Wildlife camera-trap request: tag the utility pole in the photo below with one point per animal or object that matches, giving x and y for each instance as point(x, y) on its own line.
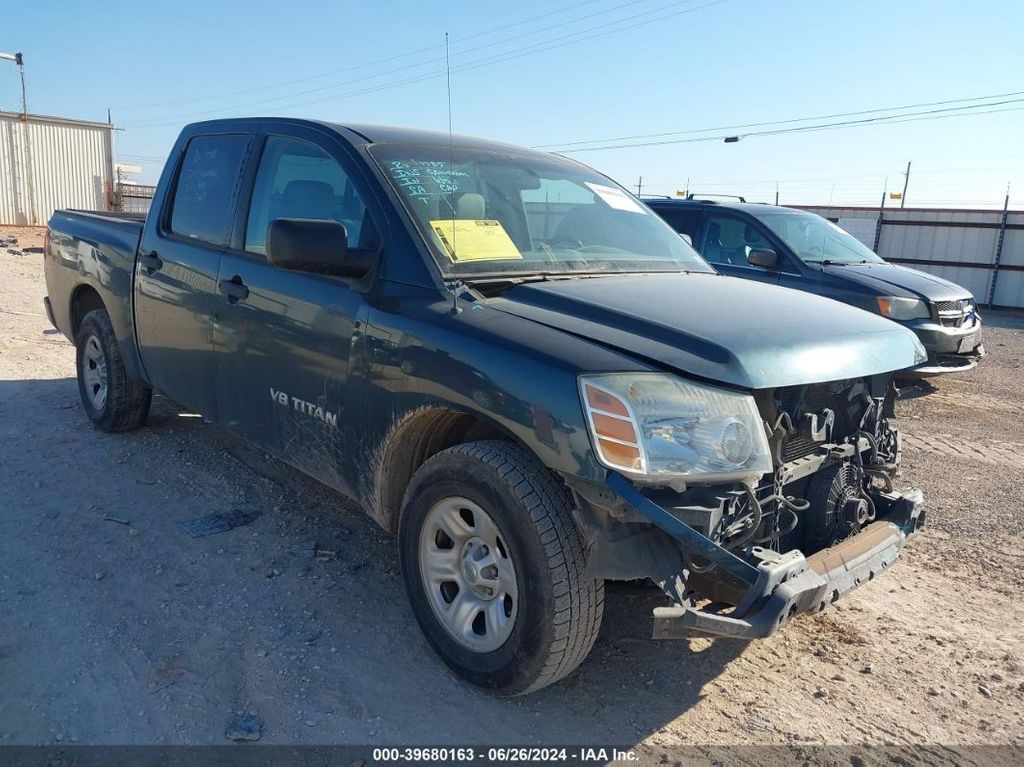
point(906, 181)
point(639, 185)
point(878, 222)
point(19, 59)
point(776, 192)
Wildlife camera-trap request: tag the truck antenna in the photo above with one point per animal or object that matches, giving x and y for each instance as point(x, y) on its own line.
point(451, 170)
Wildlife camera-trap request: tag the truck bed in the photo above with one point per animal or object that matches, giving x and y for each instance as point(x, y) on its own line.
point(90, 263)
point(111, 216)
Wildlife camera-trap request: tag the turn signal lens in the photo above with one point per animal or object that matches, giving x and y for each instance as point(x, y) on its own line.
point(611, 423)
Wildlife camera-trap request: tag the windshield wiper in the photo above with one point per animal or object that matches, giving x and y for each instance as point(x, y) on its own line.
point(830, 262)
point(518, 279)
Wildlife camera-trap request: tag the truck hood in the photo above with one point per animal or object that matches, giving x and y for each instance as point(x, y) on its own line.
point(891, 279)
point(720, 328)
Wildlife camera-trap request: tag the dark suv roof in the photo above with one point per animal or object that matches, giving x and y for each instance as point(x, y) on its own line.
point(697, 203)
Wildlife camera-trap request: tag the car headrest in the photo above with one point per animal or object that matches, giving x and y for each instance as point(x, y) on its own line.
point(471, 206)
point(714, 230)
point(752, 235)
point(308, 199)
point(305, 199)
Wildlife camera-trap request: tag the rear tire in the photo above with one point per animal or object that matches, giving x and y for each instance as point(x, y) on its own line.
point(112, 400)
point(516, 610)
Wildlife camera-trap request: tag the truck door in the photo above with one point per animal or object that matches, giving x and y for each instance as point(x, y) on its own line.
point(176, 269)
point(283, 338)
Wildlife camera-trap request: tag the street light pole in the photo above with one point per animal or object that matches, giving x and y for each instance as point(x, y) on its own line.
point(19, 59)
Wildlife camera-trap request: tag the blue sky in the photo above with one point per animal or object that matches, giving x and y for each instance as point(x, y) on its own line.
point(537, 73)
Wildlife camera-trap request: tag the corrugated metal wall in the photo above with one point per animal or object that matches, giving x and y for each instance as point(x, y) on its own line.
point(959, 245)
point(71, 167)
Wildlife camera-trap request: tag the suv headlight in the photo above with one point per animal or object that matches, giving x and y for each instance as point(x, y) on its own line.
point(897, 308)
point(657, 427)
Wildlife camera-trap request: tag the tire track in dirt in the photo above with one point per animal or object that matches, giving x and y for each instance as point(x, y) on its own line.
point(994, 452)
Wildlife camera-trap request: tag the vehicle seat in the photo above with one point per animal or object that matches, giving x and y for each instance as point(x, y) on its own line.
point(584, 224)
point(303, 198)
point(713, 243)
point(730, 239)
point(471, 206)
point(753, 238)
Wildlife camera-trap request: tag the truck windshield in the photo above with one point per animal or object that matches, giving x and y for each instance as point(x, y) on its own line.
point(818, 241)
point(495, 212)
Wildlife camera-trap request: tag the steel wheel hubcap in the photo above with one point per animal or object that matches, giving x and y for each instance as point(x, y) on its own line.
point(94, 373)
point(468, 575)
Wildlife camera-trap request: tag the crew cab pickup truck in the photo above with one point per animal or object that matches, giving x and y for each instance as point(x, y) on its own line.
point(512, 363)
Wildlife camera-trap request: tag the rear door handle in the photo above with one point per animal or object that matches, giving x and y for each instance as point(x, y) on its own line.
point(234, 289)
point(150, 261)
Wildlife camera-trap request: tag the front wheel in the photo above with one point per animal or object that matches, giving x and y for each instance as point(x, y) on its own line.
point(495, 570)
point(112, 400)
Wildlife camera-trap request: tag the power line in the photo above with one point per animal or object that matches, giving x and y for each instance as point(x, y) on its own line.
point(364, 65)
point(934, 114)
point(487, 61)
point(780, 122)
point(415, 65)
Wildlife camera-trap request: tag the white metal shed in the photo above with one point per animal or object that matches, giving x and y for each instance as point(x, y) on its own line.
point(53, 162)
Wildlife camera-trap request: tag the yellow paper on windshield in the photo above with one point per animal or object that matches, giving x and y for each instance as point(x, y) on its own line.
point(475, 240)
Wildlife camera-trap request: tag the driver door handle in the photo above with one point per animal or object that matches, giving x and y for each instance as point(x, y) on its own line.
point(234, 289)
point(150, 261)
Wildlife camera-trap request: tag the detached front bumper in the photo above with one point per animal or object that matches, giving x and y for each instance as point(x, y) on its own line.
point(781, 585)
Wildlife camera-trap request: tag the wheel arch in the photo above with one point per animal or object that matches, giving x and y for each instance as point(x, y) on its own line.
point(84, 299)
point(418, 436)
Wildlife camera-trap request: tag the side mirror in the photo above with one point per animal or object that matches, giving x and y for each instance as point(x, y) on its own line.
point(763, 257)
point(313, 245)
point(686, 238)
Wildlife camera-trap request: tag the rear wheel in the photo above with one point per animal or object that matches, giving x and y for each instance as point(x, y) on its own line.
point(495, 569)
point(112, 400)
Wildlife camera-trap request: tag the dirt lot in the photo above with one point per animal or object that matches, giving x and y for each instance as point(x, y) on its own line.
point(117, 627)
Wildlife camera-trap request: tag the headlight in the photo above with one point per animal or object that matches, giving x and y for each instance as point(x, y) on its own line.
point(658, 427)
point(896, 308)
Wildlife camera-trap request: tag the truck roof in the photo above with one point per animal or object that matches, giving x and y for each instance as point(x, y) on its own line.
point(375, 134)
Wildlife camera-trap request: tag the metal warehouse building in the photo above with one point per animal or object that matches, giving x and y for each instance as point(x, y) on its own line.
point(53, 162)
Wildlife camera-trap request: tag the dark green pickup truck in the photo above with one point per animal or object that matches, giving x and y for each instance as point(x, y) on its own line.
point(511, 362)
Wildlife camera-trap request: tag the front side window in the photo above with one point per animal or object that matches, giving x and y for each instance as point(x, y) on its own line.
point(297, 179)
point(729, 239)
point(205, 192)
point(817, 241)
point(486, 211)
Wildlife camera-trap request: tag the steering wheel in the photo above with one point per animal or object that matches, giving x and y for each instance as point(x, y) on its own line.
point(563, 241)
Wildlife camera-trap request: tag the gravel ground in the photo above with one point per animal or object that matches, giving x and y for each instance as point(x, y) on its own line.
point(117, 627)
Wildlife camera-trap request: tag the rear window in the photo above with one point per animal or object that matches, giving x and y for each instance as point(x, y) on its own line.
point(206, 188)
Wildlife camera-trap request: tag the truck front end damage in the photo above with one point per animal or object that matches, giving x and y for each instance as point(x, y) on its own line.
point(740, 559)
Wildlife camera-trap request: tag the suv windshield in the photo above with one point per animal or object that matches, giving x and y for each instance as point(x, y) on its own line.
point(816, 240)
point(495, 212)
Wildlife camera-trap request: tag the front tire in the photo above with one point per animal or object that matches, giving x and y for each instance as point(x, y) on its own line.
point(495, 570)
point(112, 400)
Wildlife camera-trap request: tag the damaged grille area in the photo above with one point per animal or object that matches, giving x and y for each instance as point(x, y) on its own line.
point(817, 414)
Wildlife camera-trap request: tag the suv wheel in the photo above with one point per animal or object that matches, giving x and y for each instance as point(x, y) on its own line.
point(495, 569)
